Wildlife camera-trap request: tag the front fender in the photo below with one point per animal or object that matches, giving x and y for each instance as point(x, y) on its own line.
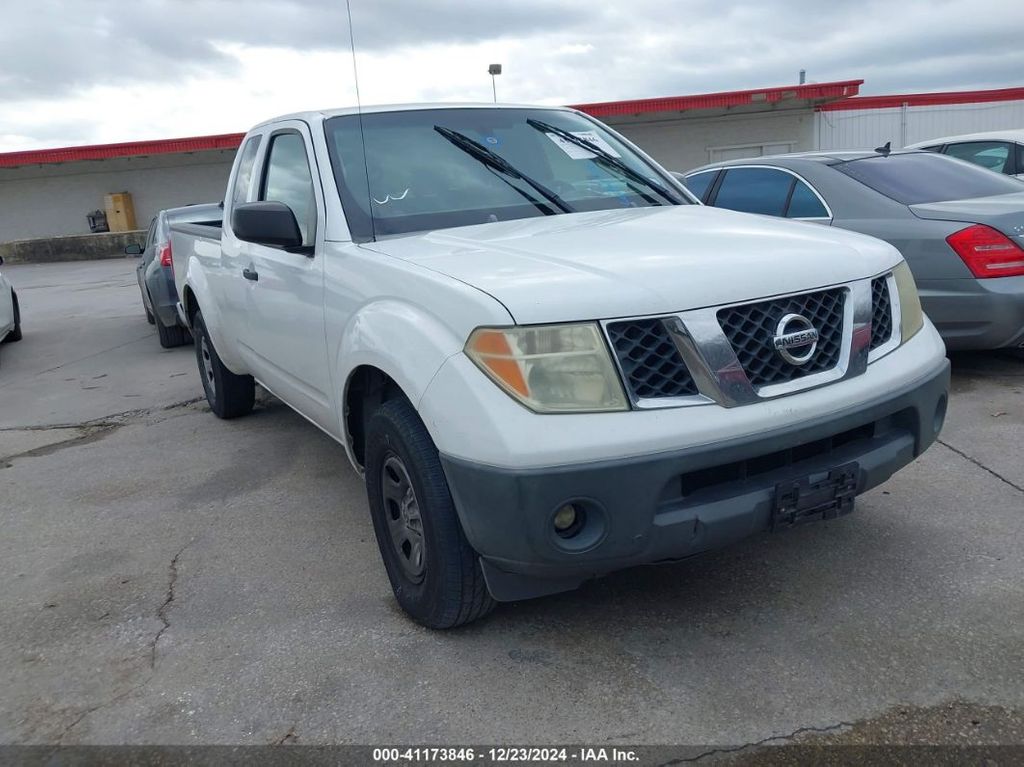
point(405, 342)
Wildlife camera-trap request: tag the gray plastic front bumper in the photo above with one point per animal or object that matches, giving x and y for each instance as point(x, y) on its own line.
point(673, 505)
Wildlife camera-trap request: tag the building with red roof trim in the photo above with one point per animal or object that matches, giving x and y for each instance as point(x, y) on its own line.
point(48, 192)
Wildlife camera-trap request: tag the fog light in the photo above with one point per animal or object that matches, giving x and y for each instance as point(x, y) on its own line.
point(565, 518)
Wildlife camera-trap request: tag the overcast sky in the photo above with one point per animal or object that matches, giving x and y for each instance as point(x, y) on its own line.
point(96, 71)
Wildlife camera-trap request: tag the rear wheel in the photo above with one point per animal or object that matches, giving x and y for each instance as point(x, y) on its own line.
point(230, 395)
point(171, 337)
point(434, 572)
point(15, 334)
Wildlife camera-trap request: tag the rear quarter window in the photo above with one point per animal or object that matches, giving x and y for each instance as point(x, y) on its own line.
point(805, 203)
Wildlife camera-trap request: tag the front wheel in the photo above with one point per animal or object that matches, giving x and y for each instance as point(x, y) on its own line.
point(434, 572)
point(230, 395)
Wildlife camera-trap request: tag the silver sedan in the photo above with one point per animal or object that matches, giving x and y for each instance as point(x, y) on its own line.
point(960, 227)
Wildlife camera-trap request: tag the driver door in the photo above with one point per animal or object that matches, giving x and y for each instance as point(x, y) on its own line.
point(283, 331)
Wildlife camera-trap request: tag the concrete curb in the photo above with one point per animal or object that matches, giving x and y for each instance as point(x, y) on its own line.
point(79, 247)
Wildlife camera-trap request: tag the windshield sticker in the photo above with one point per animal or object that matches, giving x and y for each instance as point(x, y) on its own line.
point(578, 152)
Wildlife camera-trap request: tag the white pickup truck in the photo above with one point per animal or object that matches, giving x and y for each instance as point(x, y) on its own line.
point(548, 361)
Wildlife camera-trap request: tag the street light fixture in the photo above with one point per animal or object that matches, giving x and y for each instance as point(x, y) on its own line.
point(494, 70)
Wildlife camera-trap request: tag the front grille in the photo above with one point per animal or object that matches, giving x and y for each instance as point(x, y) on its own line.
point(881, 312)
point(751, 328)
point(649, 359)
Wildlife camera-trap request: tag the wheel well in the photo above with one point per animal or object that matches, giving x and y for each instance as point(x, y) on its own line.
point(368, 387)
point(188, 300)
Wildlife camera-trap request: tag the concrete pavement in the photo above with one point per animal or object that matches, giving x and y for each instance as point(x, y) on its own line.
point(167, 577)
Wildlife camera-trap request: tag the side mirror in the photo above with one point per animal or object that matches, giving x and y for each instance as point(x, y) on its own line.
point(266, 223)
point(133, 250)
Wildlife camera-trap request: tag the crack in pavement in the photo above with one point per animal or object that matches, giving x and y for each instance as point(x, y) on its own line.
point(288, 737)
point(161, 612)
point(80, 359)
point(980, 465)
point(757, 743)
point(91, 431)
point(93, 709)
point(162, 615)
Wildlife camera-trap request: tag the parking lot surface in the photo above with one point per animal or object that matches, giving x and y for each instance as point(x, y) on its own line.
point(168, 577)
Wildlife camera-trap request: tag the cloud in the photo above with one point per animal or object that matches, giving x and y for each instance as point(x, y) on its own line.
point(153, 68)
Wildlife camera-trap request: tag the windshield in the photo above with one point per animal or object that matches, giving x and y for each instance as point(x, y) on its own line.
point(927, 177)
point(441, 168)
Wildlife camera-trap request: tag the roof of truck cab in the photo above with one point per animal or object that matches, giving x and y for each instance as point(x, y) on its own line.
point(323, 114)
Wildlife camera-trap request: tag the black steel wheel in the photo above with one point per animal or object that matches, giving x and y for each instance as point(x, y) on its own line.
point(434, 572)
point(230, 395)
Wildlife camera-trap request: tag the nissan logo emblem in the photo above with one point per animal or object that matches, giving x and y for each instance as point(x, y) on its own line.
point(796, 339)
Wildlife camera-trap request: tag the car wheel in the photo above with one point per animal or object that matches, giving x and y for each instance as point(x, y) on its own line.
point(172, 337)
point(149, 315)
point(230, 395)
point(15, 334)
point(434, 572)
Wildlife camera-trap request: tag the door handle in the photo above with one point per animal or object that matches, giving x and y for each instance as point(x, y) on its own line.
point(251, 274)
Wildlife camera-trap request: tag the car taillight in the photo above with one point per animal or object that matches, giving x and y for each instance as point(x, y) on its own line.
point(165, 256)
point(987, 252)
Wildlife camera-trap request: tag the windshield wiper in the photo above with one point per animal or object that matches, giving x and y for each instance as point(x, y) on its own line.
point(496, 162)
point(603, 157)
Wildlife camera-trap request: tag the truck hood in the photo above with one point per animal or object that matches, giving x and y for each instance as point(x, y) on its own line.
point(607, 264)
point(1004, 212)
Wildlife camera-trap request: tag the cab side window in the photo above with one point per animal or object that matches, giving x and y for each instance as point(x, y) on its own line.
point(243, 177)
point(287, 179)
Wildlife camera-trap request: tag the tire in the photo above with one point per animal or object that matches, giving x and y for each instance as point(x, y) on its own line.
point(229, 395)
point(149, 315)
point(15, 334)
point(172, 337)
point(443, 587)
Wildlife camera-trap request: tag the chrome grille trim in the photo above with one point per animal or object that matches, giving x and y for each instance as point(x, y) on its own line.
point(716, 370)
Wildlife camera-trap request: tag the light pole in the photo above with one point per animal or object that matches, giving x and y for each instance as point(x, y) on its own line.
point(493, 70)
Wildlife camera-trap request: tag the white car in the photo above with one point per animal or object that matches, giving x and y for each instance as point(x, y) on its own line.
point(10, 312)
point(548, 361)
point(1001, 151)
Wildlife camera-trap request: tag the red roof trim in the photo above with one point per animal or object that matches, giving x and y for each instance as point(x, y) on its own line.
point(926, 99)
point(837, 90)
point(128, 149)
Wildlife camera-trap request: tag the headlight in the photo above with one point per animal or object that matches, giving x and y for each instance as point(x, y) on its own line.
point(550, 368)
point(911, 316)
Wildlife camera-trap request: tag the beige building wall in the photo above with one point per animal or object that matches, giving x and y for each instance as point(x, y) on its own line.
point(685, 143)
point(53, 200)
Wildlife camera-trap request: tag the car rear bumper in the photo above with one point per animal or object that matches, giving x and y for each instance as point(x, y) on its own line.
point(163, 294)
point(976, 314)
point(671, 505)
